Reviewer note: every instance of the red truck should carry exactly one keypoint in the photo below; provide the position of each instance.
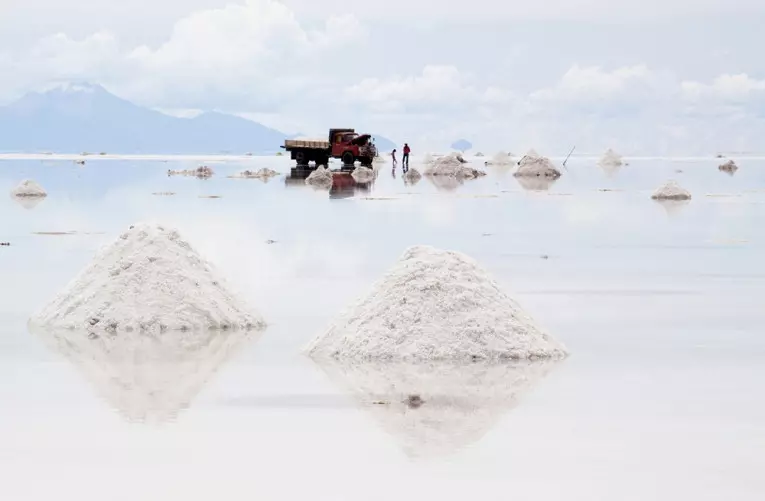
(345, 144)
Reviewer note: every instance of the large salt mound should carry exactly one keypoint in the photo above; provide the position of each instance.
(671, 191)
(363, 174)
(148, 280)
(435, 305)
(28, 188)
(537, 167)
(611, 159)
(457, 403)
(320, 178)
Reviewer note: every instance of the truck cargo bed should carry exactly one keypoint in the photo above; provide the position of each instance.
(307, 143)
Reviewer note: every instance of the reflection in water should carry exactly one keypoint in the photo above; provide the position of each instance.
(445, 183)
(147, 378)
(438, 408)
(535, 183)
(343, 184)
(610, 169)
(29, 203)
(673, 207)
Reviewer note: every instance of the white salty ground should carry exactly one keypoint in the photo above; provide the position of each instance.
(435, 305)
(28, 188)
(320, 178)
(501, 158)
(149, 279)
(671, 191)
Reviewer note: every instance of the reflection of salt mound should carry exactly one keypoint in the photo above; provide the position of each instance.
(501, 158)
(148, 280)
(147, 377)
(671, 191)
(533, 183)
(530, 166)
(458, 403)
(263, 174)
(28, 188)
(446, 183)
(412, 176)
(435, 305)
(673, 207)
(730, 167)
(363, 174)
(320, 178)
(29, 203)
(203, 172)
(611, 159)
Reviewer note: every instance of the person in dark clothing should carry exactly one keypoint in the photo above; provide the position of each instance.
(405, 158)
(393, 155)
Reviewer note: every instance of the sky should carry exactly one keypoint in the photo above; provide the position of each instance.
(642, 76)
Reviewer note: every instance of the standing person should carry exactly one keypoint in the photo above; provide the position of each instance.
(393, 155)
(405, 159)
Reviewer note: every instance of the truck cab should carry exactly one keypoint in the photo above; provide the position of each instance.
(349, 146)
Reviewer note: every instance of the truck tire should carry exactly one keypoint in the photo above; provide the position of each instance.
(348, 158)
(301, 158)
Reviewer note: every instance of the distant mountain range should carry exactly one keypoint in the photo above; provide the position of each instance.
(87, 118)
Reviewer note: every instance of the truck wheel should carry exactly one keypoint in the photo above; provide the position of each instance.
(348, 158)
(300, 158)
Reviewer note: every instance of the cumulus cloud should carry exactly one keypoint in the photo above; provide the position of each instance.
(253, 53)
(436, 88)
(738, 88)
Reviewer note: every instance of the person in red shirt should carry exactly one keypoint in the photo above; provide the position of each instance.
(405, 158)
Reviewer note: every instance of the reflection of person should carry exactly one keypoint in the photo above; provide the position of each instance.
(405, 158)
(393, 154)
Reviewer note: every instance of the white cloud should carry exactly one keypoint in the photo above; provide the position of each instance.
(437, 88)
(254, 54)
(732, 88)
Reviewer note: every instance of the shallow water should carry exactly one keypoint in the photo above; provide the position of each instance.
(661, 307)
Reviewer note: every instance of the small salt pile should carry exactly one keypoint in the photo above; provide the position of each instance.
(320, 178)
(412, 175)
(203, 172)
(363, 174)
(533, 165)
(501, 158)
(452, 167)
(28, 188)
(435, 305)
(611, 159)
(730, 167)
(263, 174)
(671, 191)
(149, 279)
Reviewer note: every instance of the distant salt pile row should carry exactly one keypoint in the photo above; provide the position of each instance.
(451, 166)
(535, 165)
(730, 167)
(263, 174)
(671, 191)
(320, 178)
(611, 159)
(28, 188)
(152, 280)
(501, 158)
(203, 172)
(435, 305)
(363, 174)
